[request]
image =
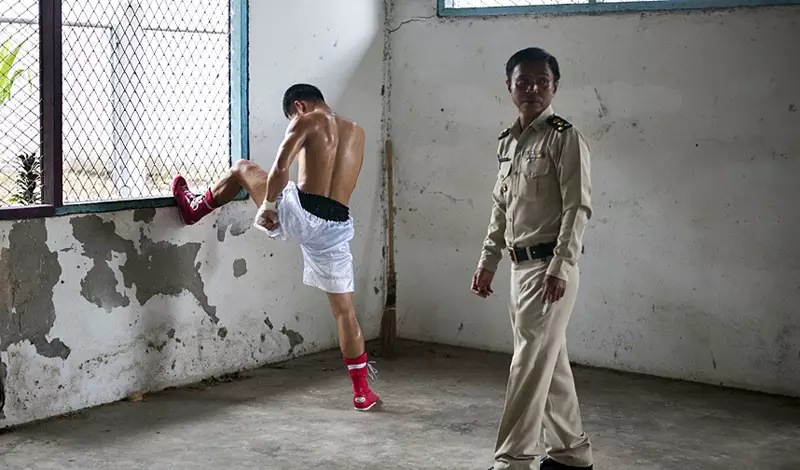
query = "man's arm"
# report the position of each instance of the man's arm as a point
(495, 241)
(294, 140)
(576, 189)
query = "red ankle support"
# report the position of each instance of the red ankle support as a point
(358, 372)
(362, 359)
(209, 199)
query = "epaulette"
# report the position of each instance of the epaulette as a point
(559, 123)
(504, 134)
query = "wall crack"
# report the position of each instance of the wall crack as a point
(415, 19)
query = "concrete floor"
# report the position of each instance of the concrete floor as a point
(441, 410)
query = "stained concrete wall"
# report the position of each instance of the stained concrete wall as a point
(692, 265)
(94, 308)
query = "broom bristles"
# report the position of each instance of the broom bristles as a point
(389, 331)
(389, 320)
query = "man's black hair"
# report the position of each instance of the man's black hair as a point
(533, 54)
(300, 92)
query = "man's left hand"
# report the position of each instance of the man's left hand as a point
(554, 289)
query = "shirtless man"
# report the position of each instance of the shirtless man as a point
(312, 213)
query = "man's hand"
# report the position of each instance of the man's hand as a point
(267, 219)
(554, 289)
(482, 283)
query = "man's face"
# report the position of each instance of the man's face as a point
(532, 87)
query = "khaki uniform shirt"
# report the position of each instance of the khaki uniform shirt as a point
(542, 193)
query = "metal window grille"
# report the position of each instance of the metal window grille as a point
(20, 98)
(146, 96)
(144, 92)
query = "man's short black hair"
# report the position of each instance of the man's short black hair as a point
(533, 54)
(300, 92)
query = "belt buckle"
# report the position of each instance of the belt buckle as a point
(513, 253)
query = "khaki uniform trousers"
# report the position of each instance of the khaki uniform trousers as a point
(541, 390)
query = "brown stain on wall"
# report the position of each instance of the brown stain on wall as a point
(28, 273)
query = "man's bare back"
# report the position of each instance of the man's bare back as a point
(331, 157)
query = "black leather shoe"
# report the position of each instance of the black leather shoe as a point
(550, 464)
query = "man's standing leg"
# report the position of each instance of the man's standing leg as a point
(567, 443)
(351, 343)
(540, 332)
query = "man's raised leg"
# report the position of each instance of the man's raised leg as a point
(351, 343)
(243, 174)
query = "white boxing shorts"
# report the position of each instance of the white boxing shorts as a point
(323, 228)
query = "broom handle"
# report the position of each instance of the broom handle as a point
(390, 203)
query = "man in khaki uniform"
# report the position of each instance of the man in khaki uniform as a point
(541, 206)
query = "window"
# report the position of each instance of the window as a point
(521, 7)
(102, 102)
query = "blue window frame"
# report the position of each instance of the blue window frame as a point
(455, 8)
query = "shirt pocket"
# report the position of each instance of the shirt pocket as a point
(537, 177)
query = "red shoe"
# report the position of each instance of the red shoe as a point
(363, 398)
(191, 206)
(364, 401)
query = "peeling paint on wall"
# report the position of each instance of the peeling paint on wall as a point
(166, 269)
(160, 268)
(144, 215)
(227, 218)
(100, 288)
(28, 273)
(99, 240)
(158, 347)
(295, 338)
(239, 268)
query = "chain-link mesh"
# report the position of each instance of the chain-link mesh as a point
(520, 3)
(20, 156)
(146, 96)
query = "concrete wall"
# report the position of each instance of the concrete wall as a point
(94, 308)
(692, 264)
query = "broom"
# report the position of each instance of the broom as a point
(389, 319)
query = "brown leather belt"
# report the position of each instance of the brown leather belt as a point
(522, 254)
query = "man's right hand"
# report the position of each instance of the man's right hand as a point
(267, 218)
(482, 283)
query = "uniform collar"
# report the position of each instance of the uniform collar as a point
(537, 124)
